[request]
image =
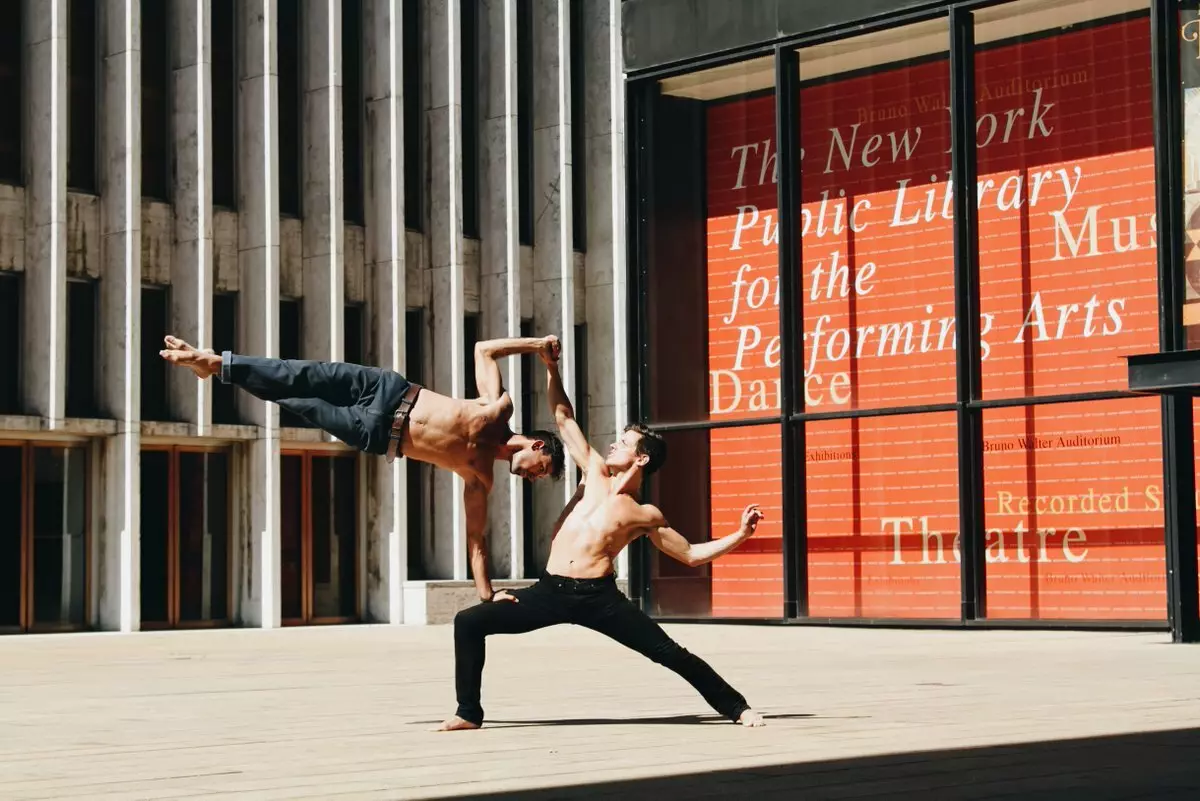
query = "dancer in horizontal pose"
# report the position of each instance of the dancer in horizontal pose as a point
(579, 585)
(381, 412)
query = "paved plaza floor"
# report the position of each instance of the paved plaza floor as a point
(345, 712)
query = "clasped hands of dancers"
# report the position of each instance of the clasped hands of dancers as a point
(381, 412)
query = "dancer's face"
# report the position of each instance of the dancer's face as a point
(531, 462)
(623, 454)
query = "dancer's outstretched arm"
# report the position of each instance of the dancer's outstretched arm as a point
(564, 414)
(692, 554)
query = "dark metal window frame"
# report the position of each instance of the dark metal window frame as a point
(27, 622)
(174, 570)
(1183, 613)
(308, 615)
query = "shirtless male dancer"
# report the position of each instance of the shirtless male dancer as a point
(381, 412)
(579, 585)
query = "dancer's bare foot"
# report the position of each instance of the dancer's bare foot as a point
(457, 724)
(751, 719)
(204, 363)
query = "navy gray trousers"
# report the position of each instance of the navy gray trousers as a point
(354, 403)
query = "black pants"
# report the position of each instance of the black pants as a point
(596, 604)
(356, 404)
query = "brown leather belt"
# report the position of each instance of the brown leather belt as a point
(400, 420)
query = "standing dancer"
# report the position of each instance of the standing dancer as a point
(579, 585)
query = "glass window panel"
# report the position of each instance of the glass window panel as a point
(82, 336)
(708, 480)
(1073, 507)
(224, 93)
(882, 496)
(289, 28)
(203, 536)
(353, 110)
(224, 337)
(877, 233)
(1189, 31)
(1067, 241)
(1196, 464)
(414, 115)
(12, 51)
(81, 95)
(334, 534)
(11, 323)
(291, 536)
(156, 322)
(12, 483)
(155, 536)
(59, 531)
(713, 267)
(157, 137)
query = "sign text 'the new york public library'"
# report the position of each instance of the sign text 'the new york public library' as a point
(1074, 513)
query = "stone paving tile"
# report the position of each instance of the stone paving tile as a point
(345, 712)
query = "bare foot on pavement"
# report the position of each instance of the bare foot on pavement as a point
(751, 719)
(457, 724)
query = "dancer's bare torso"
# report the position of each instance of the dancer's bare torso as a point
(594, 527)
(462, 436)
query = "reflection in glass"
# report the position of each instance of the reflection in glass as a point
(1073, 511)
(12, 475)
(882, 497)
(203, 536)
(1067, 214)
(713, 265)
(59, 528)
(877, 232)
(708, 480)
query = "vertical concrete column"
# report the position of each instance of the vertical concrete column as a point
(258, 304)
(449, 558)
(500, 259)
(616, 172)
(119, 377)
(553, 256)
(44, 345)
(324, 280)
(604, 160)
(387, 546)
(192, 265)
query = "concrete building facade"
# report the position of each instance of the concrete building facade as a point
(374, 181)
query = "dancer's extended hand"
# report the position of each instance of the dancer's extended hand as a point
(551, 350)
(750, 518)
(504, 595)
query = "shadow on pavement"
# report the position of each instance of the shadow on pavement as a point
(669, 720)
(1148, 766)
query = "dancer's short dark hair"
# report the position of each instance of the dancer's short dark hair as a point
(651, 444)
(553, 446)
